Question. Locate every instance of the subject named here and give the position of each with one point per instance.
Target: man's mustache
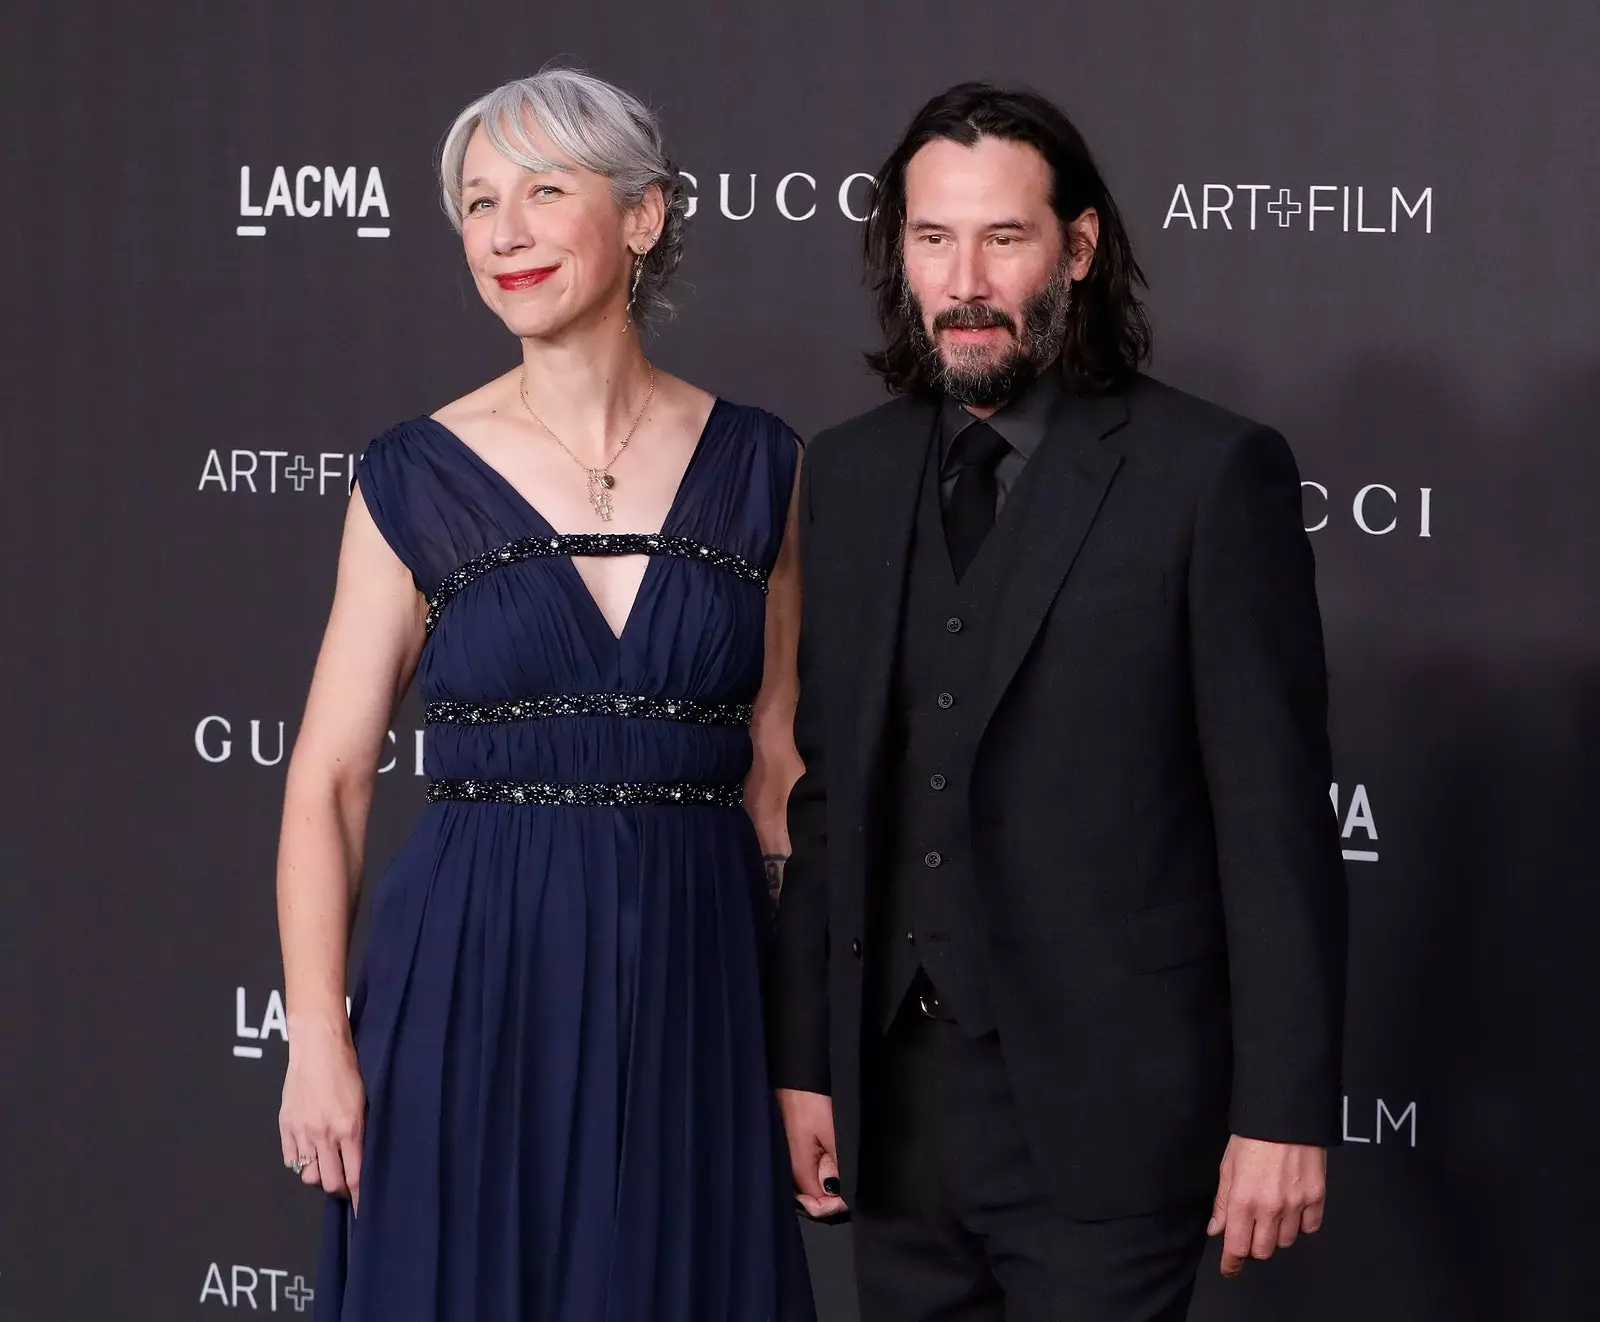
(973, 316)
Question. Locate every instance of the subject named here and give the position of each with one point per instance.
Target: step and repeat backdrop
(225, 269)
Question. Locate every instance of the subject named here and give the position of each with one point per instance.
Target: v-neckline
(510, 489)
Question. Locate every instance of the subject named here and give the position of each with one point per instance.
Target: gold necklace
(600, 480)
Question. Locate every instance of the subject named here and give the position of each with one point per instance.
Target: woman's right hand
(323, 1115)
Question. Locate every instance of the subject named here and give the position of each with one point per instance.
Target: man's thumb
(802, 1161)
(828, 1173)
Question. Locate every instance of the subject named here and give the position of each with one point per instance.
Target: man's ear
(1083, 237)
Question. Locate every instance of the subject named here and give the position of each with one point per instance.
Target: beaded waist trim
(587, 704)
(588, 543)
(600, 796)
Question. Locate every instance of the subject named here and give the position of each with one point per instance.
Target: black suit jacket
(1147, 773)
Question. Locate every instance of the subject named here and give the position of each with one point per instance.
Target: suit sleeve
(798, 1013)
(1261, 700)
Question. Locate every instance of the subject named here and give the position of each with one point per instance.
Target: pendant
(600, 484)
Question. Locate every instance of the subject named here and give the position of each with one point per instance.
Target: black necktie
(970, 512)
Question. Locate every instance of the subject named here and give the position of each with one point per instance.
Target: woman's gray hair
(594, 125)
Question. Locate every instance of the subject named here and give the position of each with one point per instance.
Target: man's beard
(971, 374)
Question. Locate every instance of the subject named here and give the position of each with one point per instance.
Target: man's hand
(813, 1153)
(1267, 1195)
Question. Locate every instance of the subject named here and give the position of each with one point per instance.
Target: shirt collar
(1022, 422)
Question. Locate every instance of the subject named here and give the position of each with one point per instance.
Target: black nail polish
(830, 1186)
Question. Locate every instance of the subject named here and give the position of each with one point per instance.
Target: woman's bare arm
(369, 653)
(368, 656)
(776, 764)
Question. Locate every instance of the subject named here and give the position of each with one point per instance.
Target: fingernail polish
(831, 1186)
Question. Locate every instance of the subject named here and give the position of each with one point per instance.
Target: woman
(550, 1098)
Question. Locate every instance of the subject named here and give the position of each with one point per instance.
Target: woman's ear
(646, 218)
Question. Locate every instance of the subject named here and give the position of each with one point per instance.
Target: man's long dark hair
(1108, 334)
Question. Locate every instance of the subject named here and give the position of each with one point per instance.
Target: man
(1063, 931)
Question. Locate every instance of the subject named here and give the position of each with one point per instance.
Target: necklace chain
(600, 480)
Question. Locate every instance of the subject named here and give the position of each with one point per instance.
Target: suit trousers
(951, 1222)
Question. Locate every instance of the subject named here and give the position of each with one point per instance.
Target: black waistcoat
(928, 915)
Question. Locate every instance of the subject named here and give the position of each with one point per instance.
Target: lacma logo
(1357, 829)
(324, 191)
(274, 1023)
(1319, 207)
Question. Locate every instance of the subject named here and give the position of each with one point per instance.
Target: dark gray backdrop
(1437, 347)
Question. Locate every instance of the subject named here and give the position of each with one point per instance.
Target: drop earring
(633, 293)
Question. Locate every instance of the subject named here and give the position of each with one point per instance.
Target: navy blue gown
(558, 1016)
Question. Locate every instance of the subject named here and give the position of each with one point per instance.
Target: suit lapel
(1069, 477)
(891, 467)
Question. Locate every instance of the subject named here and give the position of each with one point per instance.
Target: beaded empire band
(588, 796)
(587, 704)
(588, 543)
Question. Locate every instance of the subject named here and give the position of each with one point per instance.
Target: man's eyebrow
(1006, 224)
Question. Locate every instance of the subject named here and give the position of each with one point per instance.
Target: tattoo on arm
(773, 863)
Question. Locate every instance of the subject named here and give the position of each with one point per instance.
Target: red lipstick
(536, 275)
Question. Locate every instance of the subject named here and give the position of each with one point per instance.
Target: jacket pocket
(1174, 934)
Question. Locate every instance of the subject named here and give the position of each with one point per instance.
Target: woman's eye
(476, 203)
